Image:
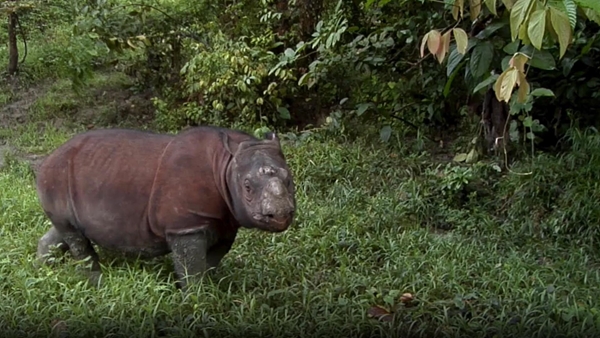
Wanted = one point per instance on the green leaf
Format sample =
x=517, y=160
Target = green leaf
x=284, y=113
x=472, y=156
x=460, y=157
x=385, y=133
x=567, y=64
x=517, y=15
x=592, y=15
x=512, y=47
x=541, y=59
x=481, y=58
x=542, y=92
x=491, y=5
x=571, y=11
x=489, y=30
x=568, y=7
x=591, y=4
x=491, y=79
x=562, y=27
x=537, y=27
x=362, y=108
x=448, y=84
x=505, y=62
x=453, y=60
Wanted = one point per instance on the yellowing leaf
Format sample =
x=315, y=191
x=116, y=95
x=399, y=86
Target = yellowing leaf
x=537, y=27
x=423, y=43
x=517, y=15
x=523, y=88
x=475, y=8
x=491, y=5
x=518, y=61
x=523, y=34
x=444, y=47
x=505, y=84
x=462, y=40
x=433, y=41
x=562, y=27
x=457, y=8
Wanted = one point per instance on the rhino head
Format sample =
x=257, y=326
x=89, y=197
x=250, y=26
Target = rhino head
x=260, y=184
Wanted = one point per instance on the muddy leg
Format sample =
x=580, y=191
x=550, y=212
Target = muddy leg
x=81, y=248
x=189, y=254
x=45, y=245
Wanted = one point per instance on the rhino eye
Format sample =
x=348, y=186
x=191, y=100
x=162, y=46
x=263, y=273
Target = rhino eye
x=247, y=185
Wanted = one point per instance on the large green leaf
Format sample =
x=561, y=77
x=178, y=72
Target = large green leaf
x=568, y=7
x=537, y=27
x=592, y=15
x=517, y=15
x=541, y=59
x=591, y=4
x=481, y=58
x=560, y=23
x=455, y=57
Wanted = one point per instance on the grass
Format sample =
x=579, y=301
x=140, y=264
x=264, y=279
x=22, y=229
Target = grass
x=365, y=257
x=354, y=246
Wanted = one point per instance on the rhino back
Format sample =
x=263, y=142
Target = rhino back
x=190, y=190
x=101, y=182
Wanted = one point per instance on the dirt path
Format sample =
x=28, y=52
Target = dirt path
x=113, y=97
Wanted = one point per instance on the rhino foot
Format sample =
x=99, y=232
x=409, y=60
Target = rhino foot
x=190, y=256
x=47, y=244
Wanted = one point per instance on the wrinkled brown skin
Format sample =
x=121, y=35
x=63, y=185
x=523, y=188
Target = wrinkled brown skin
x=152, y=194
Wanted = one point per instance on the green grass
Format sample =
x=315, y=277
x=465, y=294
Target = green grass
x=355, y=245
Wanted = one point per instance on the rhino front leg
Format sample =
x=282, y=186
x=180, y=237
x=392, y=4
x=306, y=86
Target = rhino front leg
x=51, y=239
x=189, y=253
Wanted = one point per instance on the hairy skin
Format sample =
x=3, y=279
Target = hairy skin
x=153, y=194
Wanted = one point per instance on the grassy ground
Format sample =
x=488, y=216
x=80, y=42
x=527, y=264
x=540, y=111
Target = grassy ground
x=356, y=263
x=361, y=260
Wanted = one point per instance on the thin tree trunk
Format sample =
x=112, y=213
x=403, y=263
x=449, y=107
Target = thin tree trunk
x=284, y=25
x=310, y=12
x=13, y=51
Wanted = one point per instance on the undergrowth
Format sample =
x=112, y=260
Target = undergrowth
x=369, y=232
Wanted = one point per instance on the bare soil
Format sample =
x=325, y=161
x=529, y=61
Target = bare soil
x=117, y=103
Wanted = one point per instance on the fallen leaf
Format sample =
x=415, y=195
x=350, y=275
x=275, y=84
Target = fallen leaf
x=380, y=313
x=407, y=297
x=59, y=328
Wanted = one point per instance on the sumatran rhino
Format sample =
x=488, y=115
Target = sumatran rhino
x=150, y=194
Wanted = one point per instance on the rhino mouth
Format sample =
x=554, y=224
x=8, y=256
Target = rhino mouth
x=274, y=223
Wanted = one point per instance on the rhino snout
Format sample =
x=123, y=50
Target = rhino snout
x=278, y=213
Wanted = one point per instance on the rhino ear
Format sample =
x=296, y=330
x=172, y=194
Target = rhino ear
x=271, y=136
x=230, y=145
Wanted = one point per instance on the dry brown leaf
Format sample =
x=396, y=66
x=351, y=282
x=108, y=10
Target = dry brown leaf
x=434, y=41
x=380, y=313
x=444, y=46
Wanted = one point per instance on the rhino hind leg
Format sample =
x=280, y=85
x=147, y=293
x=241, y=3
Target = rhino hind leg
x=51, y=239
x=80, y=247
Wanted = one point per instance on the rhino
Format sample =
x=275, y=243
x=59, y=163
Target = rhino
x=151, y=194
